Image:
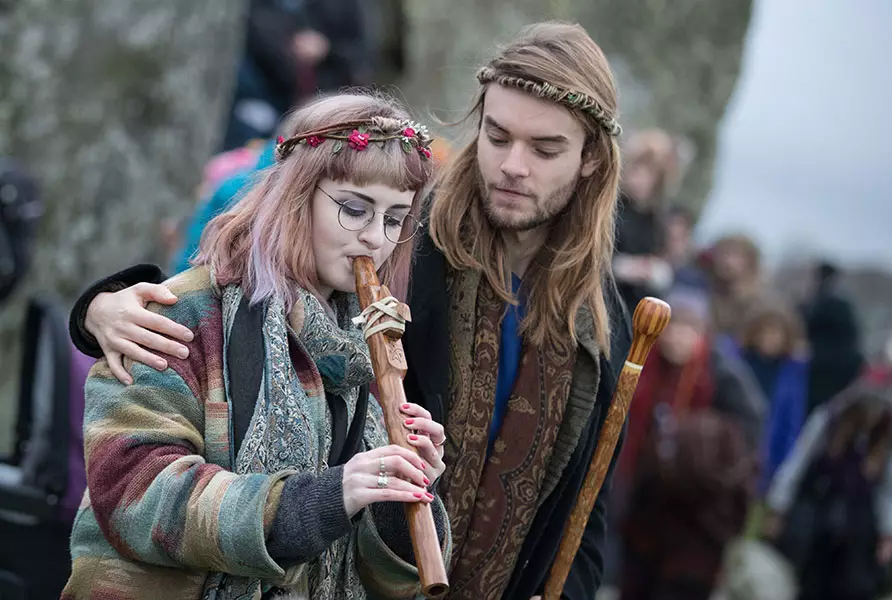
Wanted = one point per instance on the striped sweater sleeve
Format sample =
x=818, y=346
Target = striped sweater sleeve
x=155, y=497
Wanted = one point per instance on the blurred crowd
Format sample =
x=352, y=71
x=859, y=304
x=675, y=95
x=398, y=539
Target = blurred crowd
x=755, y=460
x=756, y=454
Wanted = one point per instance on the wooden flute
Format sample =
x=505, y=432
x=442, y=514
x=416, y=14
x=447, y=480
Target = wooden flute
x=389, y=363
x=650, y=318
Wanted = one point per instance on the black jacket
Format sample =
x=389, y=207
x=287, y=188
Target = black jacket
x=426, y=344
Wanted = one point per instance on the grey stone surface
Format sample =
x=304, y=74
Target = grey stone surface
x=115, y=106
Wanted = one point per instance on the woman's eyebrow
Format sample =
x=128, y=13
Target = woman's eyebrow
x=371, y=200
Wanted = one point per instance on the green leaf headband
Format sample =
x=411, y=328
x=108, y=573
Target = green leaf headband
x=570, y=99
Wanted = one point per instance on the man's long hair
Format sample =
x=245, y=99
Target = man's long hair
x=573, y=267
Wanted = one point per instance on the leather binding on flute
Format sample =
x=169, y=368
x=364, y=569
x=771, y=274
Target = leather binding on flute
x=650, y=319
x=389, y=363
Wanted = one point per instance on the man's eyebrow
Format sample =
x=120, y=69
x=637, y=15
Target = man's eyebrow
x=490, y=122
x=555, y=139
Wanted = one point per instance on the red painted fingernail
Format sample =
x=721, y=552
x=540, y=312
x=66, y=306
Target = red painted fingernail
x=423, y=466
x=405, y=407
x=427, y=481
x=418, y=495
x=430, y=496
x=409, y=421
x=413, y=437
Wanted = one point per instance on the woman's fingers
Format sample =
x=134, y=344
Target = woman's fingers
x=402, y=468
x=396, y=490
x=430, y=453
x=414, y=410
x=423, y=426
x=394, y=450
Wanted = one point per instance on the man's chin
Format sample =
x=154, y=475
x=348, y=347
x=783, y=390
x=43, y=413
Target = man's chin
x=511, y=222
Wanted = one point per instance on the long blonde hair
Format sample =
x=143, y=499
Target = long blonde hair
x=573, y=267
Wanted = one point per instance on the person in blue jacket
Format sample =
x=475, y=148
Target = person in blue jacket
x=222, y=198
x=772, y=344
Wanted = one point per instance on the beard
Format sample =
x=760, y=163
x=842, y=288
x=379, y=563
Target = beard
x=544, y=211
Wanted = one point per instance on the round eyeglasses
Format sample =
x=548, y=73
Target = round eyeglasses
x=355, y=215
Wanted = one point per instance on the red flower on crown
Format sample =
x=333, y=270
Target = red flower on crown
x=314, y=140
x=409, y=132
x=280, y=139
x=358, y=141
x=425, y=152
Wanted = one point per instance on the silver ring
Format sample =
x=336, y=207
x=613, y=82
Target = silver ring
x=382, y=481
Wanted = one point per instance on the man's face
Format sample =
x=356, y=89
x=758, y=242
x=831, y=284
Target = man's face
x=529, y=152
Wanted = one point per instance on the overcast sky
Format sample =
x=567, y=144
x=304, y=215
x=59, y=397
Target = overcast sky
x=805, y=151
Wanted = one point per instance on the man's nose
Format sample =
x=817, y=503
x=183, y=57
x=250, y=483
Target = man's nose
x=515, y=164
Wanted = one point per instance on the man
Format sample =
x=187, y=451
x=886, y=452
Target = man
x=834, y=337
x=512, y=295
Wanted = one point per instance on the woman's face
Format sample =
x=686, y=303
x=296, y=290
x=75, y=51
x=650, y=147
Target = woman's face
x=352, y=220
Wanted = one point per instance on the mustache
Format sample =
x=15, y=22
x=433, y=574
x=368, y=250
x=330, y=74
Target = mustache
x=510, y=187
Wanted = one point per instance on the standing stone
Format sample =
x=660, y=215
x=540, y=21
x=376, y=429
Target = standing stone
x=114, y=106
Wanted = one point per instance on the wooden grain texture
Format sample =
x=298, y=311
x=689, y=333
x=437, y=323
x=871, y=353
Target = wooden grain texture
x=650, y=318
x=389, y=363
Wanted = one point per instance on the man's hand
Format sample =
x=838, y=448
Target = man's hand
x=123, y=327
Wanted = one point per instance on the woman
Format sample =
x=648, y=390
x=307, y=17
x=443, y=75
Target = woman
x=830, y=503
x=772, y=346
x=688, y=464
x=215, y=479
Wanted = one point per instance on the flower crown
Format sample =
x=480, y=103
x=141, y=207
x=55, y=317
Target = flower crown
x=571, y=99
x=358, y=135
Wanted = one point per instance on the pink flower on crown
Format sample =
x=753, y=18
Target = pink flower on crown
x=425, y=152
x=358, y=141
x=408, y=132
x=314, y=140
x=280, y=139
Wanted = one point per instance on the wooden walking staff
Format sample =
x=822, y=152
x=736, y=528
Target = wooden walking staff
x=389, y=363
x=650, y=318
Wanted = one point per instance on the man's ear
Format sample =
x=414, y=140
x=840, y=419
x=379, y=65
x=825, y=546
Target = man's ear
x=589, y=163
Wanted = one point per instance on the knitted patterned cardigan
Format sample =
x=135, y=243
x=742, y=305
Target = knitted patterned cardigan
x=163, y=515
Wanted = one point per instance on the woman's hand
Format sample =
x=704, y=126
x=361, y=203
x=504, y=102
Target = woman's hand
x=427, y=436
x=123, y=327
x=386, y=474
